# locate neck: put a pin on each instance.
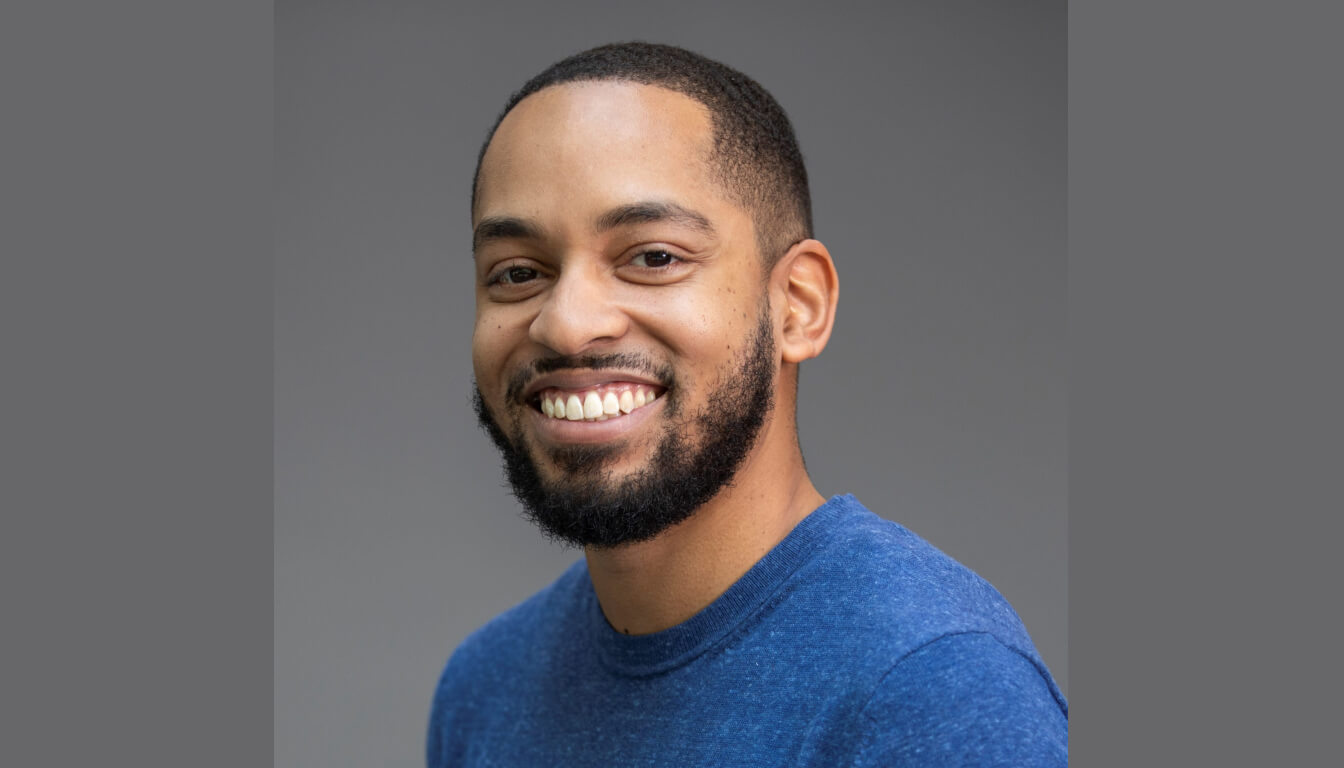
(653, 585)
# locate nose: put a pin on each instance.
(579, 311)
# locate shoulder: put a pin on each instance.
(890, 575)
(965, 699)
(889, 593)
(527, 635)
(518, 631)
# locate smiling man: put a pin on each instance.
(647, 286)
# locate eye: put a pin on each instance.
(654, 259)
(515, 276)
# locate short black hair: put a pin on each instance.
(755, 153)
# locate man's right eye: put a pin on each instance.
(516, 275)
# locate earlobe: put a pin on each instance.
(806, 276)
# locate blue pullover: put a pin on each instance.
(852, 643)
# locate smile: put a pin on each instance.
(603, 402)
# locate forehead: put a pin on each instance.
(591, 145)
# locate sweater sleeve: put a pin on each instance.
(965, 700)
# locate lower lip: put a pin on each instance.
(556, 430)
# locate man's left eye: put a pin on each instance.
(653, 259)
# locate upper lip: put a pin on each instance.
(585, 378)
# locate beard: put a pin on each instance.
(697, 454)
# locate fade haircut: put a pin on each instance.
(754, 157)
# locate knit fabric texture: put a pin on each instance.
(852, 643)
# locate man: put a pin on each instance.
(647, 285)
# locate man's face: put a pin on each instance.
(611, 269)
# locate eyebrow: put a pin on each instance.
(493, 228)
(650, 212)
(503, 228)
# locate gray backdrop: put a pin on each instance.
(935, 137)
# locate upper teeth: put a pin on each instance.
(612, 402)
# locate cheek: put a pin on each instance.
(697, 323)
(498, 340)
(708, 348)
(714, 329)
(486, 351)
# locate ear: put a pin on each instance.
(807, 288)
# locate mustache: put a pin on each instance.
(626, 361)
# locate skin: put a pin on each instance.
(670, 289)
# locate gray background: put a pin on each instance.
(1204, 384)
(935, 137)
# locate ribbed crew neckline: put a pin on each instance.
(643, 655)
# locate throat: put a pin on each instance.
(650, 586)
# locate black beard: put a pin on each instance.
(588, 508)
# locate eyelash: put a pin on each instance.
(499, 277)
(657, 251)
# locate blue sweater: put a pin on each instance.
(852, 643)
